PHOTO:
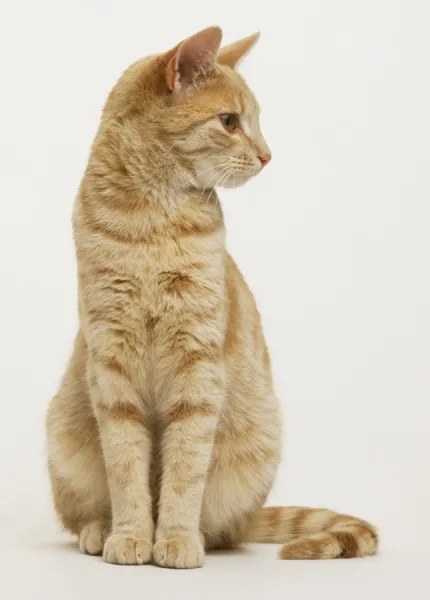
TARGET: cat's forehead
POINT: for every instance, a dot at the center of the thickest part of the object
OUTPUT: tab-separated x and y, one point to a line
235	92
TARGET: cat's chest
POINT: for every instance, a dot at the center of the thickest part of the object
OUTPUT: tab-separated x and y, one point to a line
143	306
154	283
169	267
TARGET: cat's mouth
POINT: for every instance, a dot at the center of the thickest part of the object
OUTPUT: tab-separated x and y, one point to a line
227	174
236	178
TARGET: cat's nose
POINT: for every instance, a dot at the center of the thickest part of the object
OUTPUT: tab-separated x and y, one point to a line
264	158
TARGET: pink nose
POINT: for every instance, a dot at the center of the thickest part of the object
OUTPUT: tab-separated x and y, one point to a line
264	158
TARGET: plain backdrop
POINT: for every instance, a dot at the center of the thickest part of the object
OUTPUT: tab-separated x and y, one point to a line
333	239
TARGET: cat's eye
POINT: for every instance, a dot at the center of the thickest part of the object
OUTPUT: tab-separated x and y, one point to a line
230	121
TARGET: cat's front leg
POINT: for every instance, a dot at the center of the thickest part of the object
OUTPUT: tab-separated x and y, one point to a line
126	443
190	412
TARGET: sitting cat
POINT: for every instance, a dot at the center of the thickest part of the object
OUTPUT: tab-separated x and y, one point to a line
165	435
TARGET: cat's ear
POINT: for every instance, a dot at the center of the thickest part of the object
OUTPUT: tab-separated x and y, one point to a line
193	58
232	54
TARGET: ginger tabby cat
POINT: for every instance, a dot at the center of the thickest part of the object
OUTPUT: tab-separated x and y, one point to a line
164	437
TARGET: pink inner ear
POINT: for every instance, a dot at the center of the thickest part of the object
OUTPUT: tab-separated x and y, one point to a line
195	56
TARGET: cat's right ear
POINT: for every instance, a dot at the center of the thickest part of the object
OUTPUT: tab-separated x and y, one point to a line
195	57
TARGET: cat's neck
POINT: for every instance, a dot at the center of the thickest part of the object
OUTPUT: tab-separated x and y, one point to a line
139	208
131	177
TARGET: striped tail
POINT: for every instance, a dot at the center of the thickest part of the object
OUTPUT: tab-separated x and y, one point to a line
312	533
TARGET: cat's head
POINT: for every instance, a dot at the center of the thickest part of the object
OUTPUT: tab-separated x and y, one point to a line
191	115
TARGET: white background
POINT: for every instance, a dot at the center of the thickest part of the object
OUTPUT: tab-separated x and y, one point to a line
333	238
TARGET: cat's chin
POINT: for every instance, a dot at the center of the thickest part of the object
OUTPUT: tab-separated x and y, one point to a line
237	181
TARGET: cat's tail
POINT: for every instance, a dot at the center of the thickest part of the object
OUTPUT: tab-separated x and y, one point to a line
312	533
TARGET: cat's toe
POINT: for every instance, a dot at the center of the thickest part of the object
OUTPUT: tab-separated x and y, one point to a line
91	538
180	552
122	549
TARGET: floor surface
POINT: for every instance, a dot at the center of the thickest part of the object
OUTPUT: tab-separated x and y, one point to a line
33	566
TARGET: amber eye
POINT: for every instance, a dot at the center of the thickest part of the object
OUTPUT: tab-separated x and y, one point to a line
230	121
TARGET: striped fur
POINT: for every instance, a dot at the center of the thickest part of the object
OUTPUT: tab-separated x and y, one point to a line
311	533
164	437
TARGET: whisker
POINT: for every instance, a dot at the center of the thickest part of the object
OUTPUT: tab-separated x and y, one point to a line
220	180
212	167
220	172
206	170
169	151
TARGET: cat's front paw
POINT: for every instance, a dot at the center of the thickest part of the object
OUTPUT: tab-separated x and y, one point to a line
121	549
179	552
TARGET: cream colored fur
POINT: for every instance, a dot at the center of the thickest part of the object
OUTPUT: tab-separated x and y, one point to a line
164	437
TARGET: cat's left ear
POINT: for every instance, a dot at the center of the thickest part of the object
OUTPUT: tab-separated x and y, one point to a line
232	54
193	58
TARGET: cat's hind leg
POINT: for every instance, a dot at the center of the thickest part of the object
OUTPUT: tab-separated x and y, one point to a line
75	462
92	537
